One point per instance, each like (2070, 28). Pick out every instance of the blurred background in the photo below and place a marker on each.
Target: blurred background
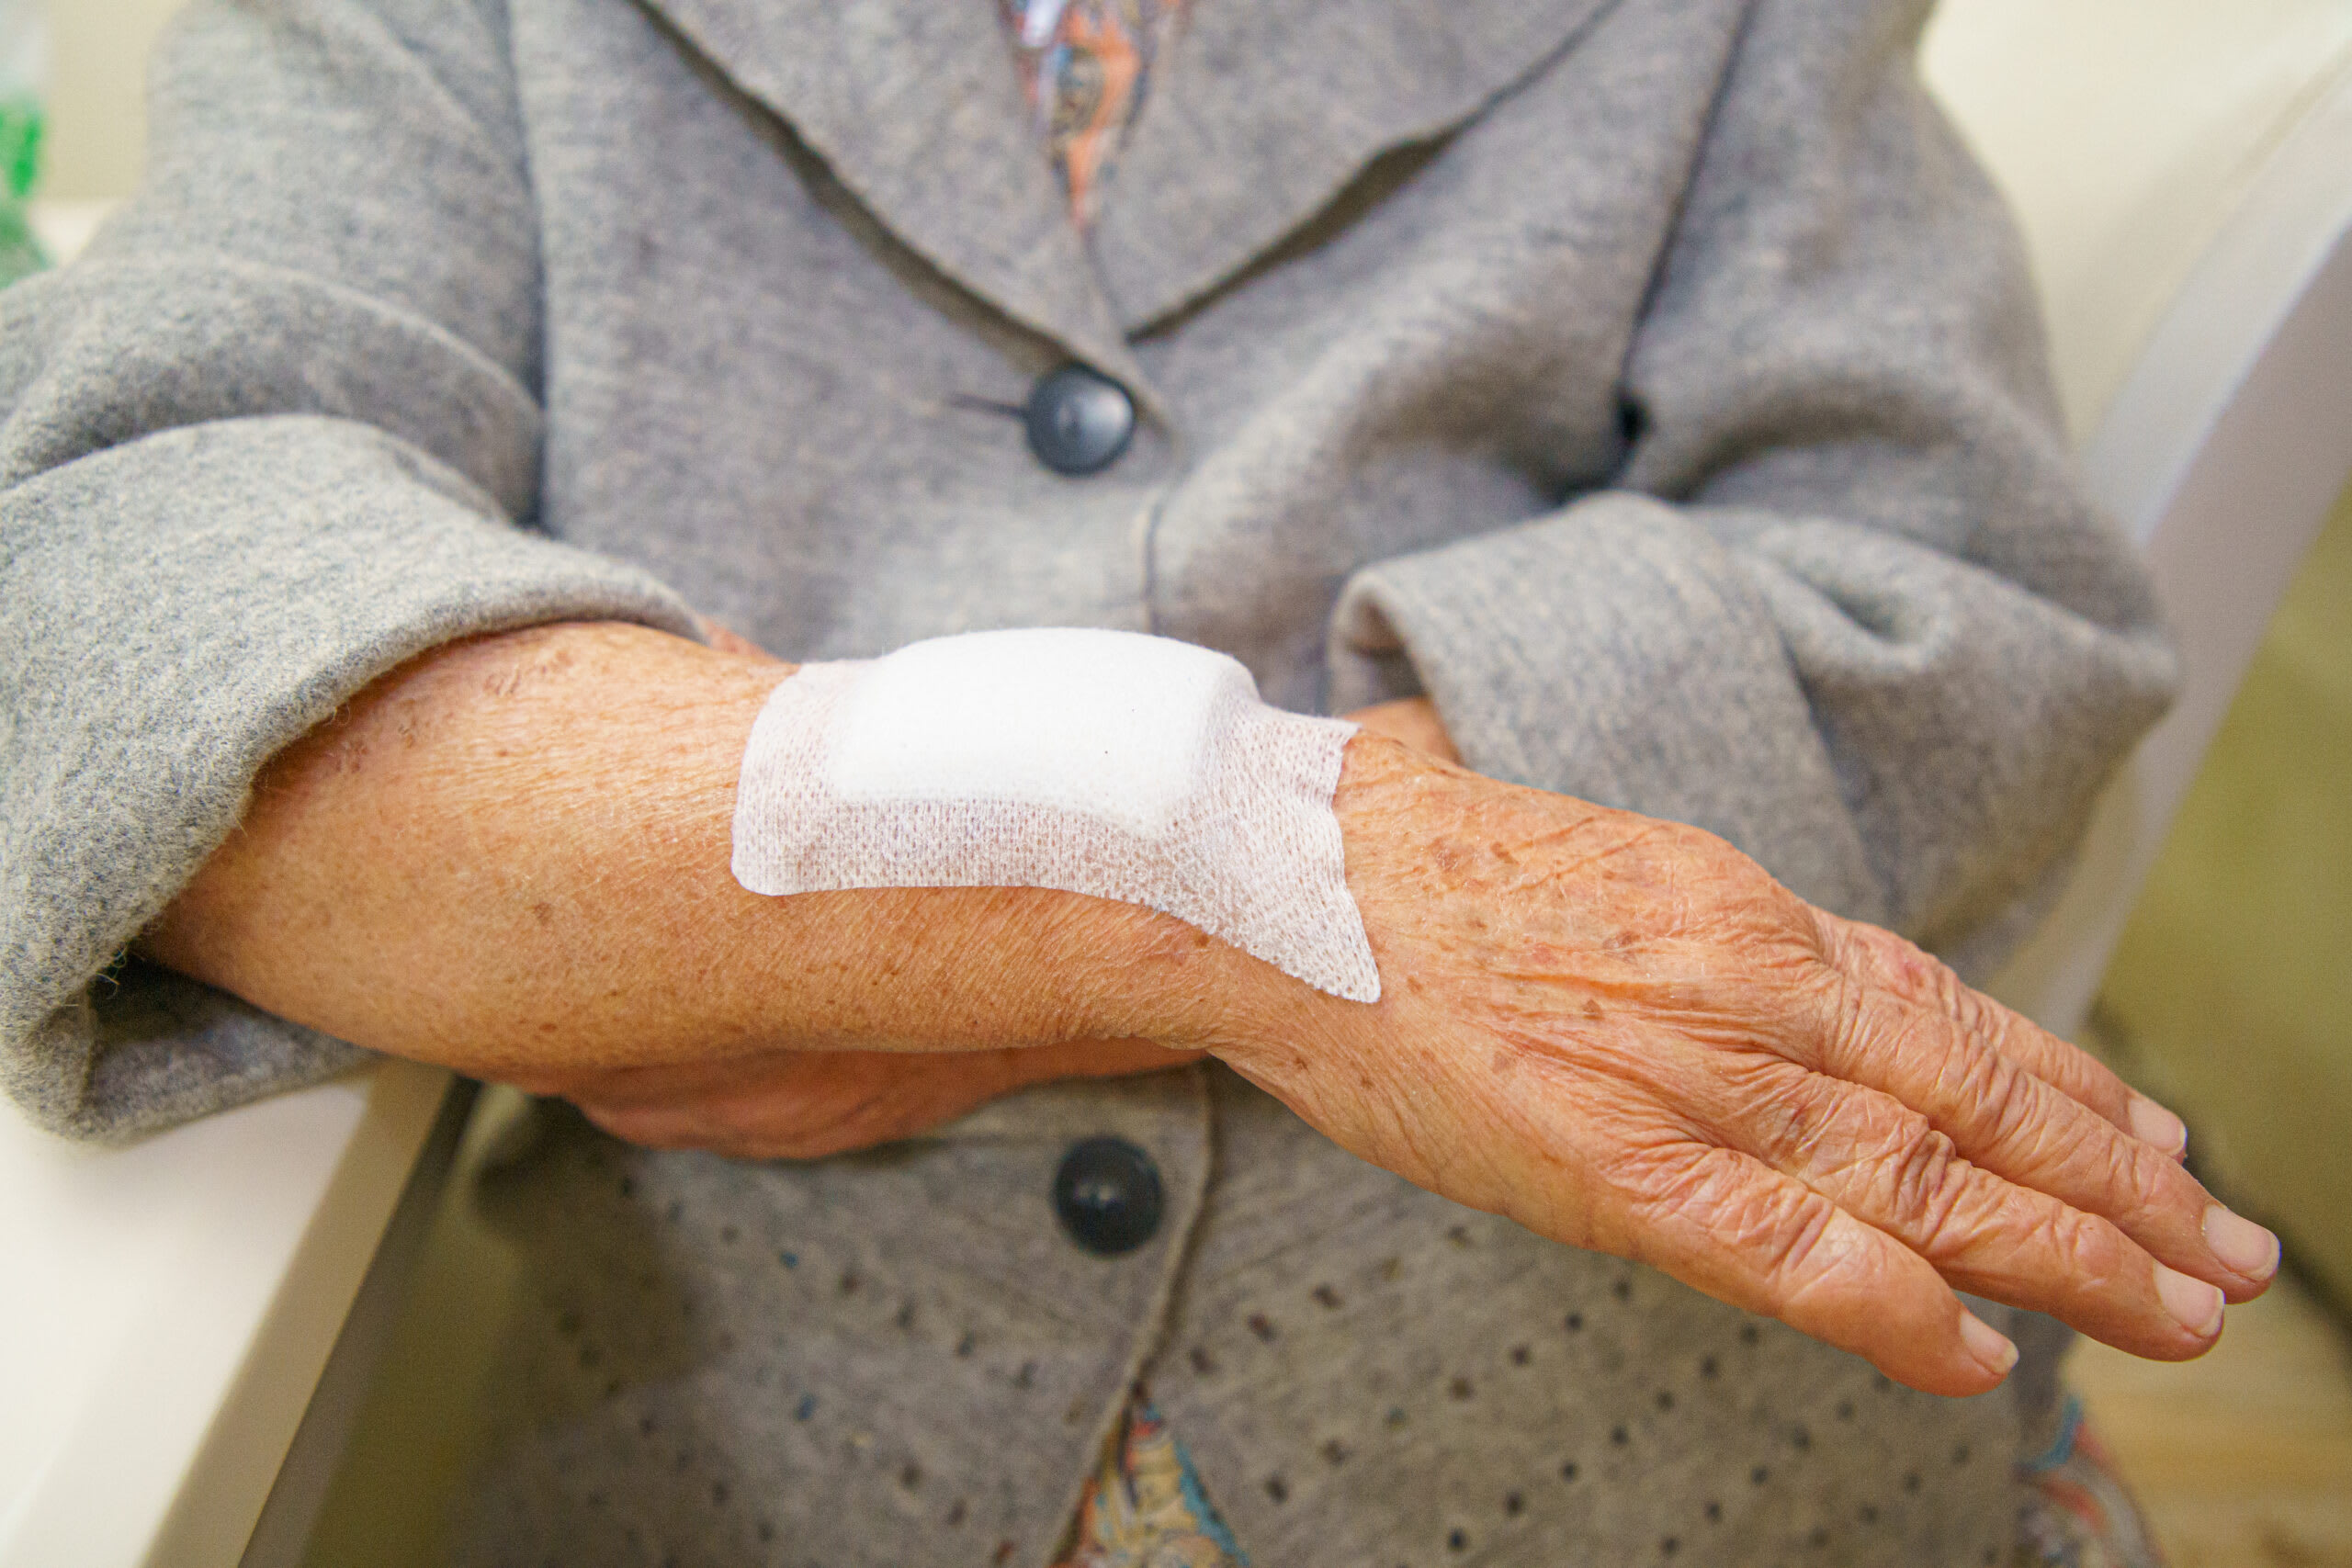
(97, 121)
(2230, 995)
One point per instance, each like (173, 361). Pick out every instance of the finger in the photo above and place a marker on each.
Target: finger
(655, 1127)
(812, 1116)
(2018, 1126)
(781, 1078)
(1889, 1165)
(1878, 957)
(1722, 1223)
(814, 1104)
(669, 1083)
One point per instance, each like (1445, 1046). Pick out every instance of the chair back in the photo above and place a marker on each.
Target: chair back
(2183, 172)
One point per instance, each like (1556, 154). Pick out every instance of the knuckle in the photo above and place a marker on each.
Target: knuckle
(1794, 1258)
(1774, 1227)
(2143, 1178)
(2092, 1251)
(1902, 966)
(1681, 1180)
(1809, 926)
(1920, 1181)
(1837, 1024)
(1843, 943)
(2005, 1100)
(1709, 1187)
(1789, 1110)
(1977, 1013)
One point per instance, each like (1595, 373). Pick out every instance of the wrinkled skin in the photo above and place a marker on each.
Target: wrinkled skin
(510, 856)
(1623, 1034)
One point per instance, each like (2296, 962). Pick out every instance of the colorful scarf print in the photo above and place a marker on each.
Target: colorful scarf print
(1084, 65)
(1145, 1508)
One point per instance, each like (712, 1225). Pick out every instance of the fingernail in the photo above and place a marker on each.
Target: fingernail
(2194, 1305)
(1987, 1344)
(2242, 1245)
(2152, 1123)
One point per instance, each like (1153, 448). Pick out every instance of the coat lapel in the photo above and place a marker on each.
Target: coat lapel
(916, 108)
(1265, 111)
(1260, 113)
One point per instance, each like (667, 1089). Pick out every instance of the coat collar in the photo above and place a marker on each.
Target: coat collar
(1266, 109)
(915, 107)
(1260, 115)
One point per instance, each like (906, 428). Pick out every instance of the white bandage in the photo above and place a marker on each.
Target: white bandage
(1128, 767)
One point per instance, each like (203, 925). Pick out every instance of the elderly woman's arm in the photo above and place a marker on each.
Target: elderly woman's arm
(273, 441)
(512, 856)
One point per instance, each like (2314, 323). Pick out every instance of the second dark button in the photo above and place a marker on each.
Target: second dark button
(1107, 1196)
(1079, 422)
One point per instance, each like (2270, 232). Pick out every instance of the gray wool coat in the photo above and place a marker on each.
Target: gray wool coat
(1653, 383)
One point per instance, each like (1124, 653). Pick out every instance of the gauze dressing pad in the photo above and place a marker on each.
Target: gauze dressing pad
(1128, 767)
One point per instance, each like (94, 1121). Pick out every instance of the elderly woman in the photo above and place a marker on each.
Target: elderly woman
(1623, 406)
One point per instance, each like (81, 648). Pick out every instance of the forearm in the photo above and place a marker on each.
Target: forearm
(512, 856)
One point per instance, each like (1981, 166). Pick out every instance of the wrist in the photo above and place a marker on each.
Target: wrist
(1269, 1024)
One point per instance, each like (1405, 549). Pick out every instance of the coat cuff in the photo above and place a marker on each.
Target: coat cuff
(188, 604)
(1614, 651)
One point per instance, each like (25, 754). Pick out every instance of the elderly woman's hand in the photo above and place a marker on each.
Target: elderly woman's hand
(509, 856)
(815, 1104)
(1623, 1034)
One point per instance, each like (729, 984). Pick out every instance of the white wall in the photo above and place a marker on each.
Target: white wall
(96, 100)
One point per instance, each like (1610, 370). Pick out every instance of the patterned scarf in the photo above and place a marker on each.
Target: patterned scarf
(1084, 65)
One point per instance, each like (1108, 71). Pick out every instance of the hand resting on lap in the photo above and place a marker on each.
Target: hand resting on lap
(1623, 1034)
(814, 1104)
(510, 856)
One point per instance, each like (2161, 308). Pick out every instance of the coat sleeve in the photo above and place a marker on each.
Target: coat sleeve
(1845, 604)
(275, 433)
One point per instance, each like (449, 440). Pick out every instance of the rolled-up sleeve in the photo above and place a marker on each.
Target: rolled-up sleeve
(1845, 604)
(277, 433)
